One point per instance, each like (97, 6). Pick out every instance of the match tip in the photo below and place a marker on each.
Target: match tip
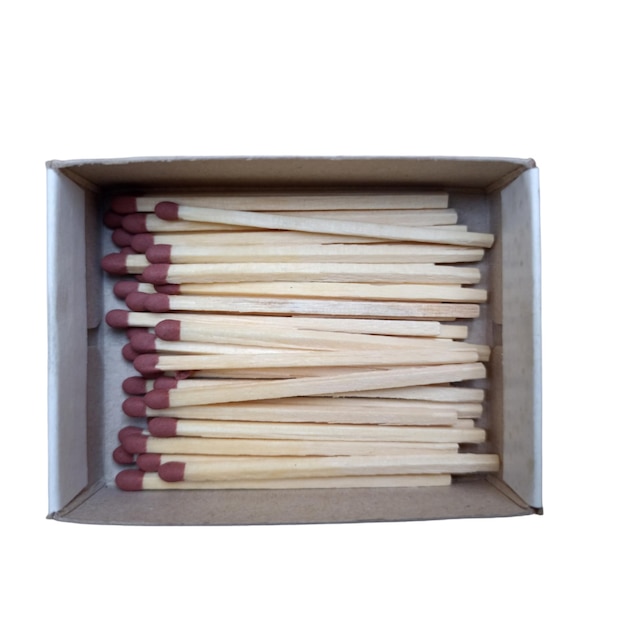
(165, 382)
(122, 457)
(159, 253)
(136, 301)
(134, 407)
(172, 471)
(146, 365)
(135, 223)
(129, 353)
(163, 426)
(134, 386)
(112, 220)
(114, 263)
(140, 243)
(149, 462)
(156, 274)
(170, 289)
(166, 210)
(124, 204)
(117, 318)
(127, 431)
(130, 480)
(135, 443)
(157, 398)
(157, 303)
(123, 288)
(121, 238)
(169, 330)
(143, 342)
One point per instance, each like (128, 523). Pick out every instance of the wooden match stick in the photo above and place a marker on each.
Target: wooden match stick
(359, 381)
(136, 480)
(170, 427)
(432, 393)
(278, 336)
(289, 202)
(150, 364)
(312, 253)
(316, 410)
(348, 291)
(119, 263)
(270, 468)
(419, 273)
(172, 211)
(162, 303)
(141, 444)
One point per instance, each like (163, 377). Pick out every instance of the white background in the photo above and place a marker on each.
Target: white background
(532, 79)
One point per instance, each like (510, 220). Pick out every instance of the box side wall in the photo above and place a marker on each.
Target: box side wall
(67, 341)
(521, 338)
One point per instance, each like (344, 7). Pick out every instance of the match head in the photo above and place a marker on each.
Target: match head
(165, 382)
(163, 426)
(143, 342)
(147, 365)
(149, 462)
(122, 457)
(136, 443)
(135, 386)
(130, 480)
(169, 330)
(140, 243)
(123, 288)
(157, 303)
(156, 273)
(167, 211)
(157, 398)
(112, 220)
(160, 253)
(135, 223)
(134, 407)
(117, 318)
(127, 431)
(114, 263)
(169, 289)
(121, 237)
(128, 352)
(172, 472)
(124, 205)
(136, 301)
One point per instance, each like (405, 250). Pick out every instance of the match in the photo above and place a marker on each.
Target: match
(172, 211)
(269, 468)
(137, 480)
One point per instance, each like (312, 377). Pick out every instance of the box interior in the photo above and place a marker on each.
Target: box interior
(86, 368)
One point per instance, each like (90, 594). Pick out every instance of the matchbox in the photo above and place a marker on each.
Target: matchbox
(86, 369)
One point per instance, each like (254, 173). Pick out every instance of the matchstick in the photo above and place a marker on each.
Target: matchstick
(170, 427)
(137, 480)
(141, 444)
(310, 409)
(289, 202)
(348, 291)
(162, 303)
(172, 211)
(137, 223)
(271, 468)
(277, 336)
(420, 273)
(359, 381)
(152, 364)
(119, 263)
(312, 253)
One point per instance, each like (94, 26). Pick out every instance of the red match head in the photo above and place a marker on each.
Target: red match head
(114, 263)
(156, 273)
(143, 342)
(167, 211)
(172, 472)
(157, 398)
(122, 457)
(135, 223)
(149, 462)
(117, 318)
(134, 407)
(124, 204)
(135, 443)
(130, 480)
(147, 365)
(141, 242)
(169, 330)
(163, 426)
(159, 253)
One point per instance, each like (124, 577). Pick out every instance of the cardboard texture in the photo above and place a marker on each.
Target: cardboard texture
(86, 370)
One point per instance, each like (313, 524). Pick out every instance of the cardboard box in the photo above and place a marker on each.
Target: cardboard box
(499, 195)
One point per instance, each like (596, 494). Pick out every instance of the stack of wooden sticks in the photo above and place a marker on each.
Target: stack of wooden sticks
(307, 341)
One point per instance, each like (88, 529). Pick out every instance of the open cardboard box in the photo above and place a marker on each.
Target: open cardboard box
(499, 195)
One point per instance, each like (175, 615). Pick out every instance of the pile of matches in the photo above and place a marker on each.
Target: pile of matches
(307, 341)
